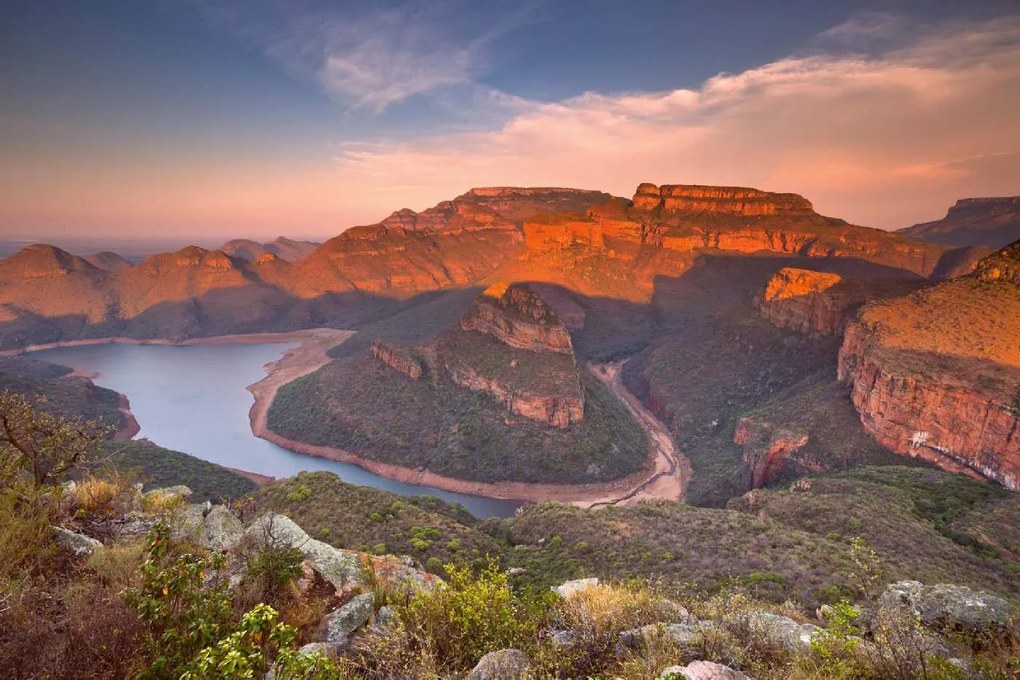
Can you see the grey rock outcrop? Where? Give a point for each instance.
(506, 664)
(348, 618)
(77, 544)
(946, 607)
(701, 670)
(569, 588)
(341, 569)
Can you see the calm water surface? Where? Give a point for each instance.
(193, 399)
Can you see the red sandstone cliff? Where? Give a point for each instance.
(817, 302)
(511, 344)
(400, 359)
(518, 317)
(768, 449)
(936, 374)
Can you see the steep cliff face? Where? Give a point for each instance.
(768, 450)
(511, 344)
(693, 198)
(991, 222)
(400, 359)
(662, 229)
(517, 316)
(936, 374)
(808, 301)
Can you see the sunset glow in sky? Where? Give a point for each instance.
(209, 117)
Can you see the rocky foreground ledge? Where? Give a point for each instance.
(936, 621)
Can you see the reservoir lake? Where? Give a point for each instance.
(192, 398)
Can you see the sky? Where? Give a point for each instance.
(205, 118)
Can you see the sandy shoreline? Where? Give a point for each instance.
(664, 477)
(311, 355)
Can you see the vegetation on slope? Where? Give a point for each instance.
(362, 406)
(376, 521)
(159, 467)
(64, 393)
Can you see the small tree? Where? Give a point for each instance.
(43, 444)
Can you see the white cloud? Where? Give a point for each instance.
(877, 139)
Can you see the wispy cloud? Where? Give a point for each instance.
(371, 55)
(876, 138)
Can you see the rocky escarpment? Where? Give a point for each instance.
(511, 344)
(619, 246)
(694, 198)
(400, 359)
(517, 316)
(991, 222)
(818, 302)
(769, 450)
(936, 374)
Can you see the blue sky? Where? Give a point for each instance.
(304, 117)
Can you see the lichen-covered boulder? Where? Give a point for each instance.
(340, 568)
(77, 544)
(219, 529)
(947, 608)
(506, 664)
(701, 670)
(782, 631)
(348, 618)
(684, 635)
(165, 495)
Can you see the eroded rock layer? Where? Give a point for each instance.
(818, 302)
(936, 374)
(511, 344)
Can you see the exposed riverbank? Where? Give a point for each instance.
(653, 482)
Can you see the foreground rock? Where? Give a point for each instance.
(571, 588)
(506, 664)
(72, 542)
(341, 569)
(701, 670)
(947, 608)
(348, 618)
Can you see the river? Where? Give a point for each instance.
(192, 398)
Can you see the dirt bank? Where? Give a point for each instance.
(650, 483)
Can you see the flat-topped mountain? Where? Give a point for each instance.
(991, 222)
(583, 240)
(936, 374)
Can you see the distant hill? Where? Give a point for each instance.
(991, 222)
(282, 247)
(109, 261)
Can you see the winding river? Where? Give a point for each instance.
(192, 398)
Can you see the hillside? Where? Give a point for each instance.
(936, 374)
(281, 247)
(989, 222)
(468, 405)
(66, 394)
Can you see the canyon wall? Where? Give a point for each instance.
(400, 359)
(936, 374)
(808, 301)
(767, 449)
